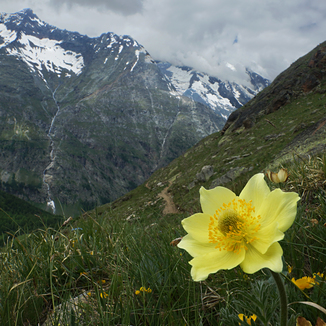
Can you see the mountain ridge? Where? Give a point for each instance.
(223, 97)
(278, 136)
(90, 122)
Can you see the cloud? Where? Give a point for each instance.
(266, 36)
(124, 7)
(269, 35)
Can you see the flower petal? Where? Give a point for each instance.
(197, 226)
(254, 260)
(212, 262)
(266, 236)
(305, 282)
(211, 200)
(283, 175)
(256, 190)
(196, 248)
(280, 207)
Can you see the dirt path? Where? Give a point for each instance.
(170, 207)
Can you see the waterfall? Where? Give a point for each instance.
(47, 177)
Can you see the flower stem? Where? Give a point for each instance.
(283, 298)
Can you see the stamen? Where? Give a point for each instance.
(234, 226)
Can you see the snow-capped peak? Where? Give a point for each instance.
(36, 51)
(39, 53)
(221, 96)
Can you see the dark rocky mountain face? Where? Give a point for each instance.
(84, 120)
(304, 76)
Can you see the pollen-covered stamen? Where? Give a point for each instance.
(234, 226)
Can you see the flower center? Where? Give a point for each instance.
(234, 226)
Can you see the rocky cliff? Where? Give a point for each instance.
(84, 120)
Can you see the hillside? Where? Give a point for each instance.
(115, 265)
(284, 122)
(84, 120)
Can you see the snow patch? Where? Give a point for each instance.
(39, 53)
(7, 35)
(137, 52)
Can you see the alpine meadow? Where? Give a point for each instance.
(128, 198)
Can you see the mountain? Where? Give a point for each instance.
(223, 97)
(85, 120)
(283, 126)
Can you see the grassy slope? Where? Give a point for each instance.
(248, 151)
(17, 214)
(113, 254)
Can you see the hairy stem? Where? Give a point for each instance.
(283, 298)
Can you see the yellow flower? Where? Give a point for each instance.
(289, 269)
(305, 282)
(317, 277)
(281, 176)
(239, 230)
(143, 289)
(103, 295)
(321, 275)
(248, 319)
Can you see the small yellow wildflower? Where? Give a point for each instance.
(143, 289)
(239, 230)
(305, 282)
(290, 268)
(103, 295)
(319, 276)
(248, 319)
(103, 281)
(89, 294)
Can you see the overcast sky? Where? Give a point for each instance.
(264, 35)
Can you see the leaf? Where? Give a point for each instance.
(19, 284)
(313, 305)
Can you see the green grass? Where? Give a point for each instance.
(93, 271)
(17, 215)
(115, 265)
